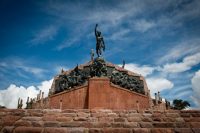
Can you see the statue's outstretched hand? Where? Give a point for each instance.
(96, 25)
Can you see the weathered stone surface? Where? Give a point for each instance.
(141, 130)
(69, 114)
(78, 130)
(95, 130)
(51, 124)
(183, 130)
(28, 130)
(9, 120)
(185, 114)
(158, 119)
(32, 118)
(7, 129)
(130, 125)
(80, 119)
(161, 130)
(166, 119)
(195, 119)
(22, 123)
(179, 119)
(69, 111)
(195, 114)
(100, 124)
(134, 119)
(196, 130)
(117, 124)
(112, 115)
(195, 124)
(64, 119)
(93, 119)
(99, 114)
(119, 119)
(133, 114)
(117, 130)
(163, 124)
(146, 119)
(146, 125)
(37, 123)
(83, 114)
(181, 125)
(55, 130)
(98, 121)
(106, 119)
(71, 124)
(174, 115)
(49, 118)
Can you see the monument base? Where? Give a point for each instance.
(99, 93)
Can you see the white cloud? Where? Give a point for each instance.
(185, 65)
(46, 34)
(196, 88)
(181, 49)
(158, 84)
(9, 97)
(143, 25)
(33, 70)
(21, 67)
(68, 43)
(119, 35)
(144, 70)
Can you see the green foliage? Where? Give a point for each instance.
(179, 104)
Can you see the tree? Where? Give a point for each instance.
(179, 104)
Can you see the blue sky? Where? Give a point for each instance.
(158, 39)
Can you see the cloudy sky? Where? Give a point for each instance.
(159, 39)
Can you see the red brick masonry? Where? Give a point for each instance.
(98, 121)
(99, 93)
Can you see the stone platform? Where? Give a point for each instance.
(98, 121)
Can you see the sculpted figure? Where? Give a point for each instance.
(99, 42)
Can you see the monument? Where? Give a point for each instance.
(97, 84)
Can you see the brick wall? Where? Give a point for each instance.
(99, 93)
(76, 99)
(98, 121)
(103, 94)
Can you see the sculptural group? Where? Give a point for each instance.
(98, 68)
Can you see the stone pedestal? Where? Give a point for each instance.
(99, 93)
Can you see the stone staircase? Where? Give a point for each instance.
(98, 121)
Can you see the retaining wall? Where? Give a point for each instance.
(98, 121)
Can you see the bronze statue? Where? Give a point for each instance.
(99, 42)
